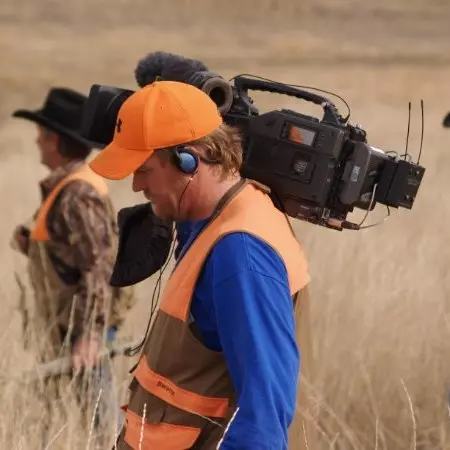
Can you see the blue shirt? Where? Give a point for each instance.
(242, 307)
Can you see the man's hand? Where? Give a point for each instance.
(86, 352)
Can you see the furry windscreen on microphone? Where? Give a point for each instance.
(166, 65)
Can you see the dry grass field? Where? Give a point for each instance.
(381, 297)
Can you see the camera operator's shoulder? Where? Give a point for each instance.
(239, 251)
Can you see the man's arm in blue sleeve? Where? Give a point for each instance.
(254, 314)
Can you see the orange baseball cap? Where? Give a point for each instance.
(160, 115)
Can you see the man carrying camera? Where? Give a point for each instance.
(71, 244)
(220, 367)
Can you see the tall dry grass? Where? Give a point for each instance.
(380, 296)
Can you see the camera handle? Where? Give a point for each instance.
(331, 113)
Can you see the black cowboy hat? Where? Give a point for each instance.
(62, 112)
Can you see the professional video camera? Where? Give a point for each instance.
(317, 170)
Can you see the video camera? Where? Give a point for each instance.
(318, 170)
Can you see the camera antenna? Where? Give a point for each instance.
(407, 133)
(421, 135)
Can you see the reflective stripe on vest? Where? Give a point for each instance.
(142, 435)
(84, 173)
(250, 210)
(180, 398)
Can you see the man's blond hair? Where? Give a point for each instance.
(225, 146)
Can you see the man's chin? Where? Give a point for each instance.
(161, 213)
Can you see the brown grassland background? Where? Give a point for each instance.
(381, 306)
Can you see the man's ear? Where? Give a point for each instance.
(446, 121)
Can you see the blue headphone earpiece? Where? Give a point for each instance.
(185, 160)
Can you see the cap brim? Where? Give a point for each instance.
(117, 163)
(39, 119)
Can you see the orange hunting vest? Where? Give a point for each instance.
(181, 396)
(84, 173)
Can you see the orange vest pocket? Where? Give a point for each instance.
(178, 397)
(162, 436)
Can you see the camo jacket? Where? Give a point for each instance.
(80, 226)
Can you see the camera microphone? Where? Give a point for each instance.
(168, 66)
(171, 67)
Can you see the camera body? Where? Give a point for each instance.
(318, 170)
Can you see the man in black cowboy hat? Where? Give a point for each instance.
(71, 241)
